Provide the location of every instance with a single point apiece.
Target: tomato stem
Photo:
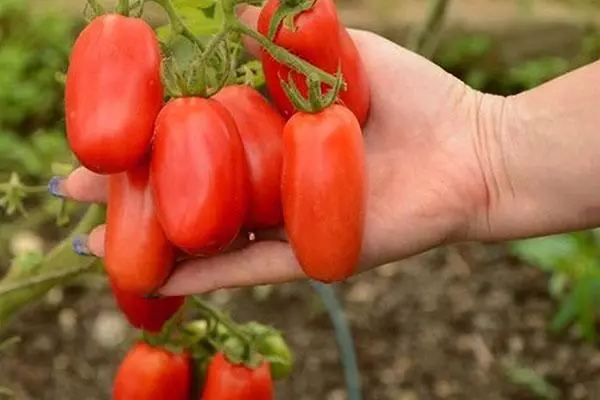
(96, 7)
(222, 319)
(123, 7)
(283, 56)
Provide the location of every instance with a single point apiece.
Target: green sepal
(286, 13)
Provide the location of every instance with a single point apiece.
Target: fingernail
(80, 246)
(54, 186)
(152, 296)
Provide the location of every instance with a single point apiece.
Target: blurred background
(504, 321)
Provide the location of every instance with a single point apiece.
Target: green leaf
(582, 294)
(565, 314)
(546, 252)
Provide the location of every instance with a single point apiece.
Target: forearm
(543, 174)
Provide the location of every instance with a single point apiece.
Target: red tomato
(321, 39)
(113, 93)
(323, 191)
(138, 255)
(261, 128)
(199, 175)
(146, 314)
(225, 380)
(149, 373)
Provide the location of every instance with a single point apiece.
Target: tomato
(271, 343)
(260, 127)
(149, 314)
(113, 93)
(323, 191)
(148, 373)
(138, 256)
(225, 380)
(199, 175)
(321, 39)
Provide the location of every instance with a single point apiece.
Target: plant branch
(29, 280)
(283, 56)
(222, 319)
(424, 40)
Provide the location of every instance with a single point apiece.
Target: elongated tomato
(320, 38)
(113, 93)
(138, 255)
(153, 373)
(149, 314)
(225, 380)
(199, 175)
(261, 128)
(323, 191)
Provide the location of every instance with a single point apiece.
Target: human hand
(425, 179)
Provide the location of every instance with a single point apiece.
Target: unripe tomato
(148, 373)
(225, 380)
(323, 191)
(144, 313)
(261, 128)
(138, 256)
(271, 343)
(113, 93)
(199, 175)
(321, 39)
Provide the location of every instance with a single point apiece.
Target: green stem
(123, 7)
(222, 319)
(177, 24)
(53, 276)
(423, 40)
(96, 7)
(283, 56)
(25, 283)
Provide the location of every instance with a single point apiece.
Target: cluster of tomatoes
(188, 176)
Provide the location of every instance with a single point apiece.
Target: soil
(437, 326)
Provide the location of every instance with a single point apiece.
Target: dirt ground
(438, 326)
(432, 327)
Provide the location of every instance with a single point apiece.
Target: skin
(445, 164)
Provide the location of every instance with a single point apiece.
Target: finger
(85, 186)
(92, 244)
(258, 264)
(249, 16)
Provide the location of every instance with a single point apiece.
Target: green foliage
(573, 264)
(34, 50)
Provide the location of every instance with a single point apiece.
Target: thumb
(249, 16)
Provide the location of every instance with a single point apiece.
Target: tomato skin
(321, 39)
(113, 93)
(138, 255)
(143, 313)
(148, 373)
(261, 128)
(199, 175)
(323, 191)
(225, 380)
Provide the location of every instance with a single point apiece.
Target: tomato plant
(113, 93)
(199, 175)
(139, 257)
(323, 191)
(226, 380)
(260, 127)
(314, 33)
(153, 373)
(196, 157)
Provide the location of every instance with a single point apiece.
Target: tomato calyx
(316, 100)
(287, 13)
